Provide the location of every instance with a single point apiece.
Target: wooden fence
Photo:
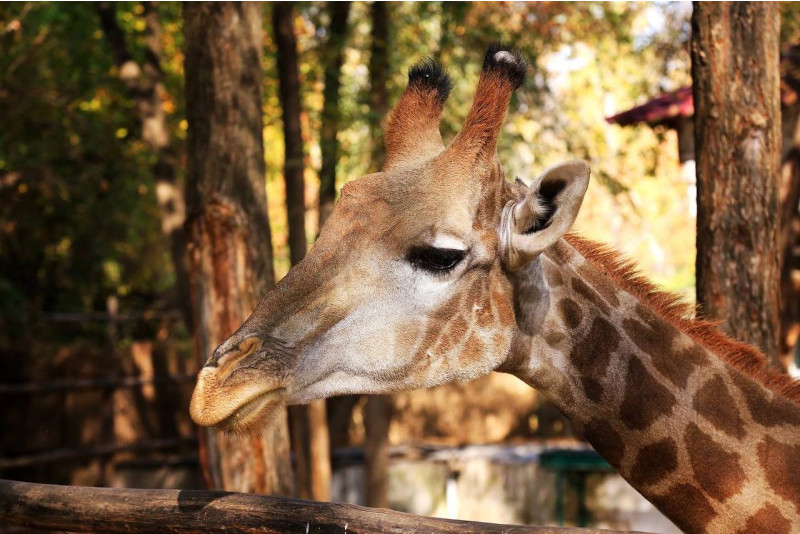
(98, 450)
(81, 509)
(104, 445)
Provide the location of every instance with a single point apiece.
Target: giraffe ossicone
(438, 269)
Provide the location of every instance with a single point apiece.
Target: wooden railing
(81, 509)
(65, 387)
(122, 382)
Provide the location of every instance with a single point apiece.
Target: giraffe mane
(741, 356)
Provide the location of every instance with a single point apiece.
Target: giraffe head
(410, 283)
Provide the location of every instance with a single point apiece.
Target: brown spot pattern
(601, 283)
(655, 339)
(605, 440)
(553, 338)
(654, 462)
(650, 339)
(489, 239)
(580, 287)
(592, 355)
(714, 402)
(570, 312)
(765, 407)
(430, 336)
(505, 310)
(686, 506)
(552, 274)
(483, 316)
(745, 358)
(781, 465)
(477, 290)
(453, 333)
(645, 399)
(472, 351)
(438, 321)
(768, 519)
(679, 367)
(717, 470)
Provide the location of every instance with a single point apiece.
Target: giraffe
(438, 269)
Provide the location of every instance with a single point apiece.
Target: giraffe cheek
(501, 295)
(408, 333)
(452, 334)
(472, 353)
(504, 309)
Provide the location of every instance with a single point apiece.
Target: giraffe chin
(254, 414)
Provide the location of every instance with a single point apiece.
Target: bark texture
(230, 245)
(378, 81)
(790, 224)
(289, 88)
(734, 51)
(377, 419)
(333, 58)
(319, 451)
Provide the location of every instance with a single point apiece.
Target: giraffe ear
(545, 214)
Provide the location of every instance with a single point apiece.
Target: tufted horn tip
(427, 75)
(507, 62)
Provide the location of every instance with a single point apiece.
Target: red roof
(659, 110)
(670, 106)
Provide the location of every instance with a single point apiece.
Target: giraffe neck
(713, 449)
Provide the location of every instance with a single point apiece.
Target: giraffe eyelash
(435, 260)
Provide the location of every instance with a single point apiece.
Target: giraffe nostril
(227, 360)
(250, 344)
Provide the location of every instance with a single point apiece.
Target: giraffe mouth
(252, 411)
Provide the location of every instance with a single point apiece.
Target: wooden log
(82, 509)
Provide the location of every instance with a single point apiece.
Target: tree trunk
(379, 82)
(377, 418)
(737, 137)
(301, 446)
(283, 26)
(145, 86)
(333, 57)
(230, 246)
(790, 221)
(340, 413)
(378, 408)
(319, 451)
(309, 428)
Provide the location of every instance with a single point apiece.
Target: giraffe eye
(435, 259)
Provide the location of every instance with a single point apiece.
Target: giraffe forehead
(443, 217)
(448, 240)
(435, 204)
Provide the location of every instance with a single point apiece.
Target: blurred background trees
(94, 226)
